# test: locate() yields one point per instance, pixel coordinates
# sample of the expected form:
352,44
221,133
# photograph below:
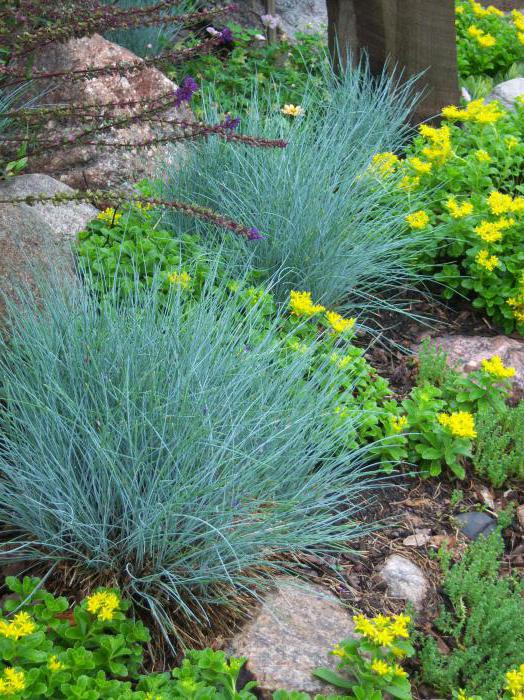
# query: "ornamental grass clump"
168,449
332,227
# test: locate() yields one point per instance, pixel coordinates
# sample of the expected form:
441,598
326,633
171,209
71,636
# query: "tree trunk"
416,35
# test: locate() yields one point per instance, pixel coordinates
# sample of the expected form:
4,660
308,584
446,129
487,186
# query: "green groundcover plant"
489,41
500,445
254,64
171,447
464,183
483,624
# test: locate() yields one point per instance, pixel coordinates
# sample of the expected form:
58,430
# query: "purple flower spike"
230,123
226,35
254,235
185,92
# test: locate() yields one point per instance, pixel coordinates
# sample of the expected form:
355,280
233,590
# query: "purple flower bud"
226,35
230,123
254,235
185,92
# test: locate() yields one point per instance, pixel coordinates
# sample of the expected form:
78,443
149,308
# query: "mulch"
505,5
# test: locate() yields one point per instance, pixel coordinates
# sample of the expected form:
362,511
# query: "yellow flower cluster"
517,303
460,424
491,231
418,220
462,696
12,682
483,39
515,683
482,156
420,166
384,163
338,323
487,261
292,110
441,147
103,604
481,11
384,630
381,668
459,211
109,216
497,369
301,304
518,20
54,665
399,423
181,278
476,111
500,203
21,625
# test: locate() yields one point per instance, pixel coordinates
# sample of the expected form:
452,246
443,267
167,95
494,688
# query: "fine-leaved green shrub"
331,227
168,447
499,449
483,624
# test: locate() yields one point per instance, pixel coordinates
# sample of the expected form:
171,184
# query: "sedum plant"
168,447
500,445
94,650
489,41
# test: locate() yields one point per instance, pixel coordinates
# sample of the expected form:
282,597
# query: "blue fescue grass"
150,41
331,228
168,448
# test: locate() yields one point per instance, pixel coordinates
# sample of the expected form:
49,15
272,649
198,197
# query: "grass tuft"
168,448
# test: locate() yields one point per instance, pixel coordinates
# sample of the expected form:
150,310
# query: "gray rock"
475,524
291,635
507,92
36,239
92,166
404,580
467,352
302,15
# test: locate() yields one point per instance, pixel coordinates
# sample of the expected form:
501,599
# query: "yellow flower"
482,156
453,112
460,424
384,163
441,140
380,667
53,664
338,651
340,362
518,205
420,166
399,671
12,682
409,183
459,9
181,278
477,110
487,41
484,259
459,211
301,304
399,625
475,31
399,423
520,37
292,110
499,203
518,19
103,604
511,142
496,368
418,220
462,695
491,231
21,625
109,216
515,682
338,323
382,630
478,10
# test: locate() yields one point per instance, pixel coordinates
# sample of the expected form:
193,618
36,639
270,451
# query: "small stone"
418,539
520,515
475,524
291,635
404,580
37,239
507,92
